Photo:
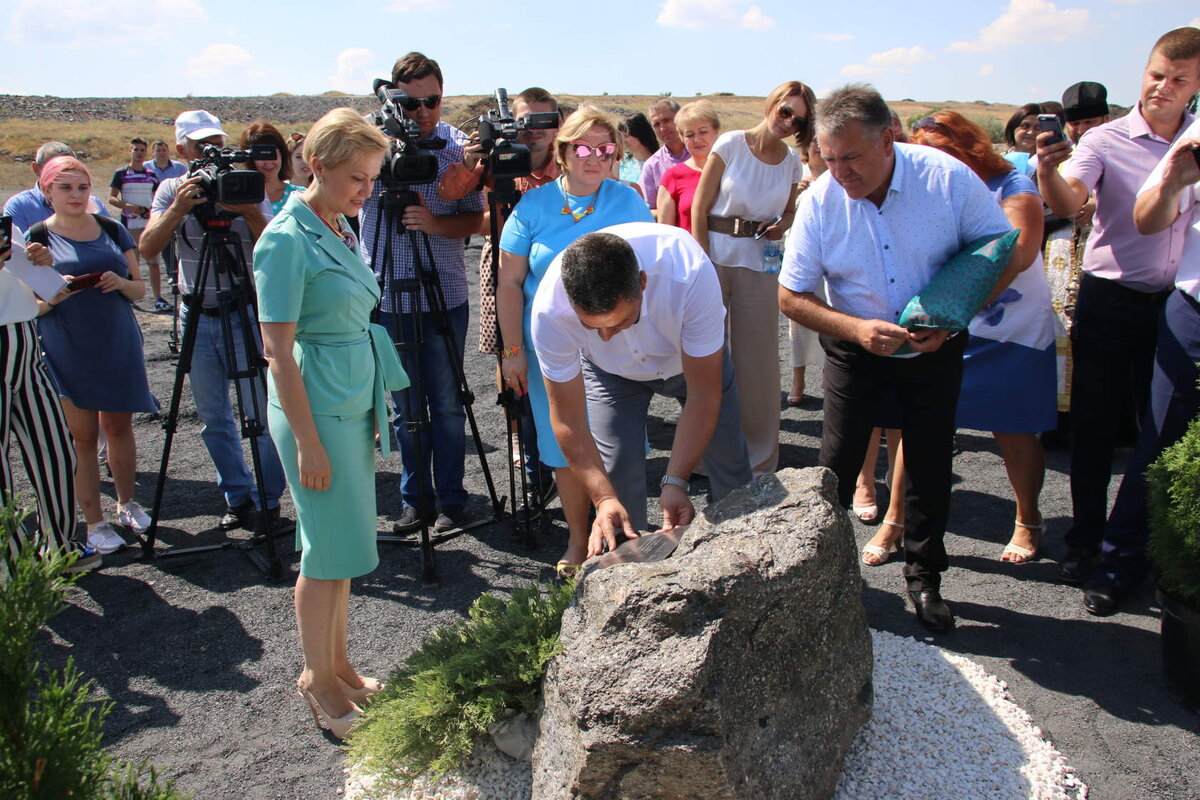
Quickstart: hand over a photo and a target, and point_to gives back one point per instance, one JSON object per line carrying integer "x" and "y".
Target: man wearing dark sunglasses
{"x": 445, "y": 225}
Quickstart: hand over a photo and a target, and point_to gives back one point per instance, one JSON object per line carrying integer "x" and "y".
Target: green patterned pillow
{"x": 957, "y": 291}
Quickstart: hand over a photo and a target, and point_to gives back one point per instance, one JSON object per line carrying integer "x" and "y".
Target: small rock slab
{"x": 739, "y": 667}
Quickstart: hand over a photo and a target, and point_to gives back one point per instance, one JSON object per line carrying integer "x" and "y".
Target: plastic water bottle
{"x": 772, "y": 257}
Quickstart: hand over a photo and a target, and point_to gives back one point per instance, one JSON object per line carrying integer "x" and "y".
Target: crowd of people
{"x": 650, "y": 254}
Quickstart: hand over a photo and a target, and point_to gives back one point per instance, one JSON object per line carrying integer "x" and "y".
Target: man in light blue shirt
{"x": 30, "y": 207}
{"x": 162, "y": 165}
{"x": 874, "y": 230}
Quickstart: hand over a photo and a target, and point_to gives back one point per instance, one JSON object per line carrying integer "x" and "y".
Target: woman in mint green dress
{"x": 330, "y": 371}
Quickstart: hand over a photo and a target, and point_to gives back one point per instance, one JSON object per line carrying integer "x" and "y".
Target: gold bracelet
{"x": 510, "y": 351}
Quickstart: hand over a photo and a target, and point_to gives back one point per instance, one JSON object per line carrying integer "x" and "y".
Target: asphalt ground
{"x": 199, "y": 653}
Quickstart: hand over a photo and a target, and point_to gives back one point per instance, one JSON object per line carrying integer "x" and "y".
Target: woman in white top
{"x": 748, "y": 187}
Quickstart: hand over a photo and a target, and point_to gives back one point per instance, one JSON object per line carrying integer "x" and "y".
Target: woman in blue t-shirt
{"x": 93, "y": 345}
{"x": 547, "y": 219}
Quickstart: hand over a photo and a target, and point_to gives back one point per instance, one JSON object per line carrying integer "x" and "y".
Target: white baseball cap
{"x": 196, "y": 125}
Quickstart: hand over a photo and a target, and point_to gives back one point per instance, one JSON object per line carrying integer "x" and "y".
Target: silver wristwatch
{"x": 671, "y": 480}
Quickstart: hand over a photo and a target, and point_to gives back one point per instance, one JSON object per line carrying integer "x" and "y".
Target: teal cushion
{"x": 958, "y": 290}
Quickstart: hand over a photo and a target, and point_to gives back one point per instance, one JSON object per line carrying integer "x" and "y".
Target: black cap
{"x": 1085, "y": 100}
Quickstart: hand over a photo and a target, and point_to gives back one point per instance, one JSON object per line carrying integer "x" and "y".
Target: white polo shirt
{"x": 1187, "y": 279}
{"x": 681, "y": 312}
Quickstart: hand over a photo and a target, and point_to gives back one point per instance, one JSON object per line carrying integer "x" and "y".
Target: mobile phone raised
{"x": 1050, "y": 122}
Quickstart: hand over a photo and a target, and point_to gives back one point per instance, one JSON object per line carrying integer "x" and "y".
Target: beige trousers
{"x": 752, "y": 328}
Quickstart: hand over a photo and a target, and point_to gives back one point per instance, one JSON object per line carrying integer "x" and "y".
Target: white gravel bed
{"x": 942, "y": 729}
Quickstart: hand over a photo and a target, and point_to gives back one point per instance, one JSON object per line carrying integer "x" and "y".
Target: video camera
{"x": 498, "y": 131}
{"x": 221, "y": 183}
{"x": 409, "y": 162}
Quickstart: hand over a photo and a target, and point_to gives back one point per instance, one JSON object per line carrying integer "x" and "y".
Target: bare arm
{"x": 163, "y": 224}
{"x": 1023, "y": 211}
{"x": 666, "y": 212}
{"x": 873, "y": 335}
{"x": 510, "y": 309}
{"x": 1157, "y": 208}
{"x": 706, "y": 195}
{"x": 696, "y": 425}
{"x": 278, "y": 339}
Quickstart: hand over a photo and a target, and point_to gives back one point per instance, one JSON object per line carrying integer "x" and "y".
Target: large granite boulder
{"x": 738, "y": 667}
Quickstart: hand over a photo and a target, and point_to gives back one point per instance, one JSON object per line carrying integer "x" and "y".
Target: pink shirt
{"x": 1188, "y": 278}
{"x": 681, "y": 181}
{"x": 1114, "y": 161}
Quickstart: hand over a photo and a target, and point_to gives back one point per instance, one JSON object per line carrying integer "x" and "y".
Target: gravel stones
{"x": 941, "y": 729}
{"x": 740, "y": 667}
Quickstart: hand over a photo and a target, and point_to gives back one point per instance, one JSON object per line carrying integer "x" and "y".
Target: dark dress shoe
{"x": 1101, "y": 599}
{"x": 237, "y": 517}
{"x": 932, "y": 611}
{"x": 279, "y": 523}
{"x": 451, "y": 517}
{"x": 1075, "y": 565}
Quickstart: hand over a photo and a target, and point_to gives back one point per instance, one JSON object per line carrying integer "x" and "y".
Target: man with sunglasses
{"x": 445, "y": 225}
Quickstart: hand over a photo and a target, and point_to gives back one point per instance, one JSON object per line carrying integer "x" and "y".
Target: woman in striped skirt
{"x": 31, "y": 414}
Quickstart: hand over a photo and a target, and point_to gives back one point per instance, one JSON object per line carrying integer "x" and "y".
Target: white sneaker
{"x": 133, "y": 516}
{"x": 104, "y": 539}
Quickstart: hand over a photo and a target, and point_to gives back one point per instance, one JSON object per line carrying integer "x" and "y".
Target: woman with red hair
{"x": 1008, "y": 384}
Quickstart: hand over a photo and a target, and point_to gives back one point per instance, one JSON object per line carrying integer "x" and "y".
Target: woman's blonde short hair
{"x": 340, "y": 136}
{"x": 578, "y": 124}
{"x": 698, "y": 111}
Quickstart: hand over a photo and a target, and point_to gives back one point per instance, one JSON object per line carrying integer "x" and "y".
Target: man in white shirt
{"x": 874, "y": 230}
{"x": 622, "y": 314}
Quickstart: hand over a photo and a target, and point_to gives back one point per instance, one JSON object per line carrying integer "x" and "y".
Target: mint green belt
{"x": 389, "y": 377}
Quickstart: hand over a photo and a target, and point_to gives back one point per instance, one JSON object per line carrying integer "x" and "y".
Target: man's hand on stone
{"x": 611, "y": 517}
{"x": 677, "y": 508}
{"x": 880, "y": 338}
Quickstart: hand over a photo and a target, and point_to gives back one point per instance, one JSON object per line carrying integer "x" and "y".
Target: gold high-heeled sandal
{"x": 338, "y": 726}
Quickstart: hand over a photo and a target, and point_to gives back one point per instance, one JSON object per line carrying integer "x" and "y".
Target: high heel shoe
{"x": 364, "y": 694}
{"x": 1015, "y": 553}
{"x": 879, "y": 554}
{"x": 338, "y": 726}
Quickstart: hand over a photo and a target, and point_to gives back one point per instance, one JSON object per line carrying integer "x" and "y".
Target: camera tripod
{"x": 221, "y": 257}
{"x": 409, "y": 336}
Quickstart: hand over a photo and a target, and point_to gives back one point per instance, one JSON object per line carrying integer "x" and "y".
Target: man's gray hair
{"x": 854, "y": 102}
{"x": 51, "y": 150}
{"x": 662, "y": 102}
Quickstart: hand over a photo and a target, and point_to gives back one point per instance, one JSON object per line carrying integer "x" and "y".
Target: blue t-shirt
{"x": 539, "y": 230}
{"x": 1010, "y": 183}
{"x": 174, "y": 169}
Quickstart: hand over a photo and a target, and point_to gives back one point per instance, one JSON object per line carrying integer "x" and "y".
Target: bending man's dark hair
{"x": 600, "y": 270}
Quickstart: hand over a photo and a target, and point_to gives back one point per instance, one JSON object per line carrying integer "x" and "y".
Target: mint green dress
{"x": 309, "y": 275}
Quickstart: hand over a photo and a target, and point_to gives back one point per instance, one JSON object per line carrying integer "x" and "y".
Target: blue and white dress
{"x": 1009, "y": 375}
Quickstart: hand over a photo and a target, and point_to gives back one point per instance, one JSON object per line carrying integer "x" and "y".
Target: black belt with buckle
{"x": 189, "y": 300}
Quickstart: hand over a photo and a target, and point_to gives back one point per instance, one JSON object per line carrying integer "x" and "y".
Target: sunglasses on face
{"x": 604, "y": 152}
{"x": 792, "y": 118}
{"x": 296, "y": 137}
{"x": 413, "y": 103}
{"x": 927, "y": 124}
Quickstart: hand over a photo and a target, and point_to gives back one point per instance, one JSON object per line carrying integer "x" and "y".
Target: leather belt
{"x": 189, "y": 300}
{"x": 733, "y": 226}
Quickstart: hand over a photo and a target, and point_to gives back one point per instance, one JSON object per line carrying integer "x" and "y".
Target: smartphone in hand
{"x": 762, "y": 231}
{"x": 1050, "y": 122}
{"x": 87, "y": 281}
{"x": 5, "y": 238}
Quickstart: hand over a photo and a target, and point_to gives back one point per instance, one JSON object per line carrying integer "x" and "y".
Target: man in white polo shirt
{"x": 622, "y": 314}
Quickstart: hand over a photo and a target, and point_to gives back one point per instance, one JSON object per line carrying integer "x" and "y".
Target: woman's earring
{"x": 320, "y": 180}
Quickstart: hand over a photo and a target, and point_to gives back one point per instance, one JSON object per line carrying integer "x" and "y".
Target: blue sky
{"x": 1008, "y": 51}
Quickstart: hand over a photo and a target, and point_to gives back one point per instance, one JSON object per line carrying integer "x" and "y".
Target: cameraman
{"x": 171, "y": 215}
{"x": 446, "y": 224}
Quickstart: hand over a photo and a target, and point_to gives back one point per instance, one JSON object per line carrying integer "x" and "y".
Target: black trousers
{"x": 1112, "y": 342}
{"x": 925, "y": 389}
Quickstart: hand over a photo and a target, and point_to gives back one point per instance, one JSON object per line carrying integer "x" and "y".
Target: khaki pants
{"x": 752, "y": 325}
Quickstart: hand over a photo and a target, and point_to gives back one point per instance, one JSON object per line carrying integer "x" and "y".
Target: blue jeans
{"x": 433, "y": 388}
{"x": 210, "y": 378}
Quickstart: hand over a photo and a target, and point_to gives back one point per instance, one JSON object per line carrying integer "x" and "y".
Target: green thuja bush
{"x": 50, "y": 731}
{"x": 438, "y": 704}
{"x": 1174, "y": 494}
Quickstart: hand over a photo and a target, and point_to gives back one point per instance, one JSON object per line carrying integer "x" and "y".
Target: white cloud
{"x": 415, "y": 5}
{"x": 1030, "y": 22}
{"x": 986, "y": 69}
{"x": 713, "y": 14}
{"x": 352, "y": 71}
{"x": 1195, "y": 23}
{"x": 100, "y": 23}
{"x": 834, "y": 37}
{"x": 222, "y": 59}
{"x": 898, "y": 59}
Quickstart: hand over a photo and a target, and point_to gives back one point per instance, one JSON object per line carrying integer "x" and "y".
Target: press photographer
{"x": 214, "y": 189}
{"x": 444, "y": 225}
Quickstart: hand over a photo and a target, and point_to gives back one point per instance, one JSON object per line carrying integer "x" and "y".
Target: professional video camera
{"x": 498, "y": 135}
{"x": 221, "y": 183}
{"x": 409, "y": 163}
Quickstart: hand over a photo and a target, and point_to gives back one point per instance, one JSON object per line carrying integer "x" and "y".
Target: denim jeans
{"x": 210, "y": 377}
{"x": 433, "y": 388}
